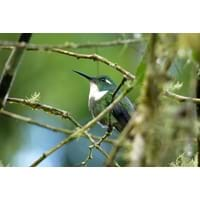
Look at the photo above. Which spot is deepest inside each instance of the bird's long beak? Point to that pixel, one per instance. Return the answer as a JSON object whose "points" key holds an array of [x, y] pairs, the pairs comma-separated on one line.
{"points": [[84, 75]]}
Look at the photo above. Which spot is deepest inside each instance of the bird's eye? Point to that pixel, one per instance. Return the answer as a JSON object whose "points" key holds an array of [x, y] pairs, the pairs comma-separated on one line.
{"points": [[106, 81]]}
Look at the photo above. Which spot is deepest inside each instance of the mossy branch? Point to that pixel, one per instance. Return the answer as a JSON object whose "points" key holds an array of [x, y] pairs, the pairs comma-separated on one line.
{"points": [[139, 123], [45, 108], [182, 98]]}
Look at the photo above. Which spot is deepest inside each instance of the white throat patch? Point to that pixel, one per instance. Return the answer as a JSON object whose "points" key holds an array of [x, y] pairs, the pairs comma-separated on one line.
{"points": [[95, 93]]}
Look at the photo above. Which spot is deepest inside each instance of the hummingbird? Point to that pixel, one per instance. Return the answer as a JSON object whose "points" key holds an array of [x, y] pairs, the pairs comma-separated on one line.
{"points": [[101, 93]]}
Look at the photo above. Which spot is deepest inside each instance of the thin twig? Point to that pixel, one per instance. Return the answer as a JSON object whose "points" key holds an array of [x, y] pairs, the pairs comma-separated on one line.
{"points": [[113, 97], [106, 135], [93, 145], [33, 122], [97, 146], [47, 126], [119, 87], [70, 45], [182, 98], [89, 156]]}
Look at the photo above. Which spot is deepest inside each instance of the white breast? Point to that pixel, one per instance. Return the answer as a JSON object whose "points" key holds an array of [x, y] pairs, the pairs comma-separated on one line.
{"points": [[95, 93]]}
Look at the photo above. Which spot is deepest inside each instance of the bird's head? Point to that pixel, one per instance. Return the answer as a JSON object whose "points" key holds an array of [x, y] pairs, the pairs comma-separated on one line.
{"points": [[103, 83]]}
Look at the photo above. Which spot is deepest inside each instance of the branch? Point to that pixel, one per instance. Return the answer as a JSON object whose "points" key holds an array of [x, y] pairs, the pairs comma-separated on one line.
{"points": [[182, 98], [89, 156], [61, 144], [45, 108], [97, 146], [53, 111], [80, 132], [75, 135], [47, 126], [70, 45], [36, 123], [95, 57], [10, 68]]}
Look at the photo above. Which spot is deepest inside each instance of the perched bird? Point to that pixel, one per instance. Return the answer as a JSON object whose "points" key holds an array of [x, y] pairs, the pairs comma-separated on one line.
{"points": [[101, 95]]}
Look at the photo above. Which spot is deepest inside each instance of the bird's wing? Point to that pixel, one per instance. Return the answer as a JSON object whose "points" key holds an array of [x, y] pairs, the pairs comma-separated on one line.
{"points": [[122, 113]]}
